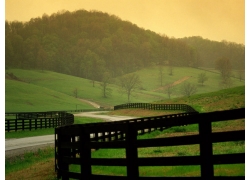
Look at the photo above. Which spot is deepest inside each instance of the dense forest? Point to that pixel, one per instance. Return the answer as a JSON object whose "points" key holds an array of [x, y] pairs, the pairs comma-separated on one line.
{"points": [[210, 51], [89, 43]]}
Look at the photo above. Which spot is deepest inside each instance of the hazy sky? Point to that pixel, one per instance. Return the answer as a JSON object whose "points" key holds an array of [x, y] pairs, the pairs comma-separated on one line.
{"points": [[213, 19]]}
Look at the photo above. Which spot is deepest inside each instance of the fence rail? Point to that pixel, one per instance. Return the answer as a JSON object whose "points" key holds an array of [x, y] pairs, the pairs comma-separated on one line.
{"points": [[182, 107], [73, 139], [37, 120]]}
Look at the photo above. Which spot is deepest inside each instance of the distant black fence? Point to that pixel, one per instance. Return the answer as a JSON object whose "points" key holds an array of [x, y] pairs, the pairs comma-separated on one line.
{"points": [[36, 120], [182, 107], [81, 138]]}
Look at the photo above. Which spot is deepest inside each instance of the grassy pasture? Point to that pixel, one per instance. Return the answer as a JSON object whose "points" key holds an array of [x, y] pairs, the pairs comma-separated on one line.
{"points": [[26, 97], [24, 167], [150, 80], [46, 90]]}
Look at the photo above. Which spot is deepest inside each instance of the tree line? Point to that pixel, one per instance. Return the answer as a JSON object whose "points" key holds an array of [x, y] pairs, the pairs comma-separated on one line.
{"points": [[100, 46], [211, 51]]}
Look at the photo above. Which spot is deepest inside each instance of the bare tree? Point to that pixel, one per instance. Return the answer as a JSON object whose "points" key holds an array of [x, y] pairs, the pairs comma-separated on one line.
{"points": [[106, 78], [224, 66], [188, 89], [170, 90], [129, 83], [202, 78]]}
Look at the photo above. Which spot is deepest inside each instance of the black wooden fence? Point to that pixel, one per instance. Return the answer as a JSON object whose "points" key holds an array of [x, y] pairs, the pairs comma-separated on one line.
{"points": [[182, 107], [36, 120], [73, 139]]}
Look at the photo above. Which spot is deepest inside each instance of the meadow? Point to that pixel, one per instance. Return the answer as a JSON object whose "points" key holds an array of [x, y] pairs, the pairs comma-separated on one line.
{"points": [[39, 90], [45, 91]]}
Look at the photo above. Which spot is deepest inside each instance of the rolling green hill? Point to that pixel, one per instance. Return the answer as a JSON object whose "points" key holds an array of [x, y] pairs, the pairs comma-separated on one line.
{"points": [[36, 90], [26, 97]]}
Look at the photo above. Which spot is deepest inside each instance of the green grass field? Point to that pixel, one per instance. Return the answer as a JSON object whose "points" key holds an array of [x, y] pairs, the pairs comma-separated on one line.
{"points": [[49, 91], [46, 90]]}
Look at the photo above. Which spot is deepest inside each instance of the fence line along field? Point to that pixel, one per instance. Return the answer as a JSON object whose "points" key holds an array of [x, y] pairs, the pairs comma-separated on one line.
{"points": [[77, 139]]}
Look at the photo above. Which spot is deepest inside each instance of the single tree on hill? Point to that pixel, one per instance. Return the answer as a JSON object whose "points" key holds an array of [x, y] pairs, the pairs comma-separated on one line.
{"points": [[188, 89], [106, 91], [202, 78], [223, 65], [129, 83], [170, 89]]}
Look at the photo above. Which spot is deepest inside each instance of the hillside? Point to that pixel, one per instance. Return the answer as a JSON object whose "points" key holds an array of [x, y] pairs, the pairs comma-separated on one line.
{"points": [[22, 96], [36, 90], [210, 51], [89, 43]]}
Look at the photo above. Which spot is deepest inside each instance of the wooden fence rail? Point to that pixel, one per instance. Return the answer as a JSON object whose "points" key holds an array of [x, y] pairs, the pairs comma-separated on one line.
{"points": [[80, 139], [182, 107], [37, 120]]}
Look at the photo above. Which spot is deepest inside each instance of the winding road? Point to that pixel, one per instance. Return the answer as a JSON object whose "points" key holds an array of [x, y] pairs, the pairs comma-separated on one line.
{"points": [[18, 146]]}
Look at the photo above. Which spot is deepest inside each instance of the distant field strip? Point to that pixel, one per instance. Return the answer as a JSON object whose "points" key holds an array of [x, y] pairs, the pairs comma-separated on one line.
{"points": [[173, 84]]}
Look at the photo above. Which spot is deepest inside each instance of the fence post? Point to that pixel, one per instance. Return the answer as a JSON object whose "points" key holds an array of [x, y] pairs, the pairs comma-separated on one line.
{"points": [[63, 167], [30, 124], [131, 152], [85, 155], [206, 149], [15, 124]]}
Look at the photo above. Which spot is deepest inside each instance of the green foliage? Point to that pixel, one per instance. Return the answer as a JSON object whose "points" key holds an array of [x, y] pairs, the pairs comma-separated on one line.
{"points": [[85, 44], [209, 51], [202, 78]]}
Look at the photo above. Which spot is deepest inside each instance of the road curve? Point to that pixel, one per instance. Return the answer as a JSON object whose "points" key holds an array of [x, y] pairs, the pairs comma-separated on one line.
{"points": [[20, 145]]}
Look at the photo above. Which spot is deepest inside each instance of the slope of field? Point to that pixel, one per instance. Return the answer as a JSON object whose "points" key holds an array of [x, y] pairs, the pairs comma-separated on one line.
{"points": [[226, 99], [150, 80], [25, 97], [66, 84]]}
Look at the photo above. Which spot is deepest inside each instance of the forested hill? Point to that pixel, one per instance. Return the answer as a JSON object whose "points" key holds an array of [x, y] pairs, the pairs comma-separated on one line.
{"points": [[87, 44], [210, 51]]}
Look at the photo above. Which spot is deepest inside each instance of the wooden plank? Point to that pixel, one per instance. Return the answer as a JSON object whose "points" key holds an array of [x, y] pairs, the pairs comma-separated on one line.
{"points": [[70, 160], [228, 136], [108, 162], [131, 152], [85, 155], [206, 149], [238, 158], [67, 175], [70, 145]]}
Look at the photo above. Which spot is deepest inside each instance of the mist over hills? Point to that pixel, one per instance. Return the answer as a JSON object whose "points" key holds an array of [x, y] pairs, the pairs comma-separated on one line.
{"points": [[89, 43]]}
